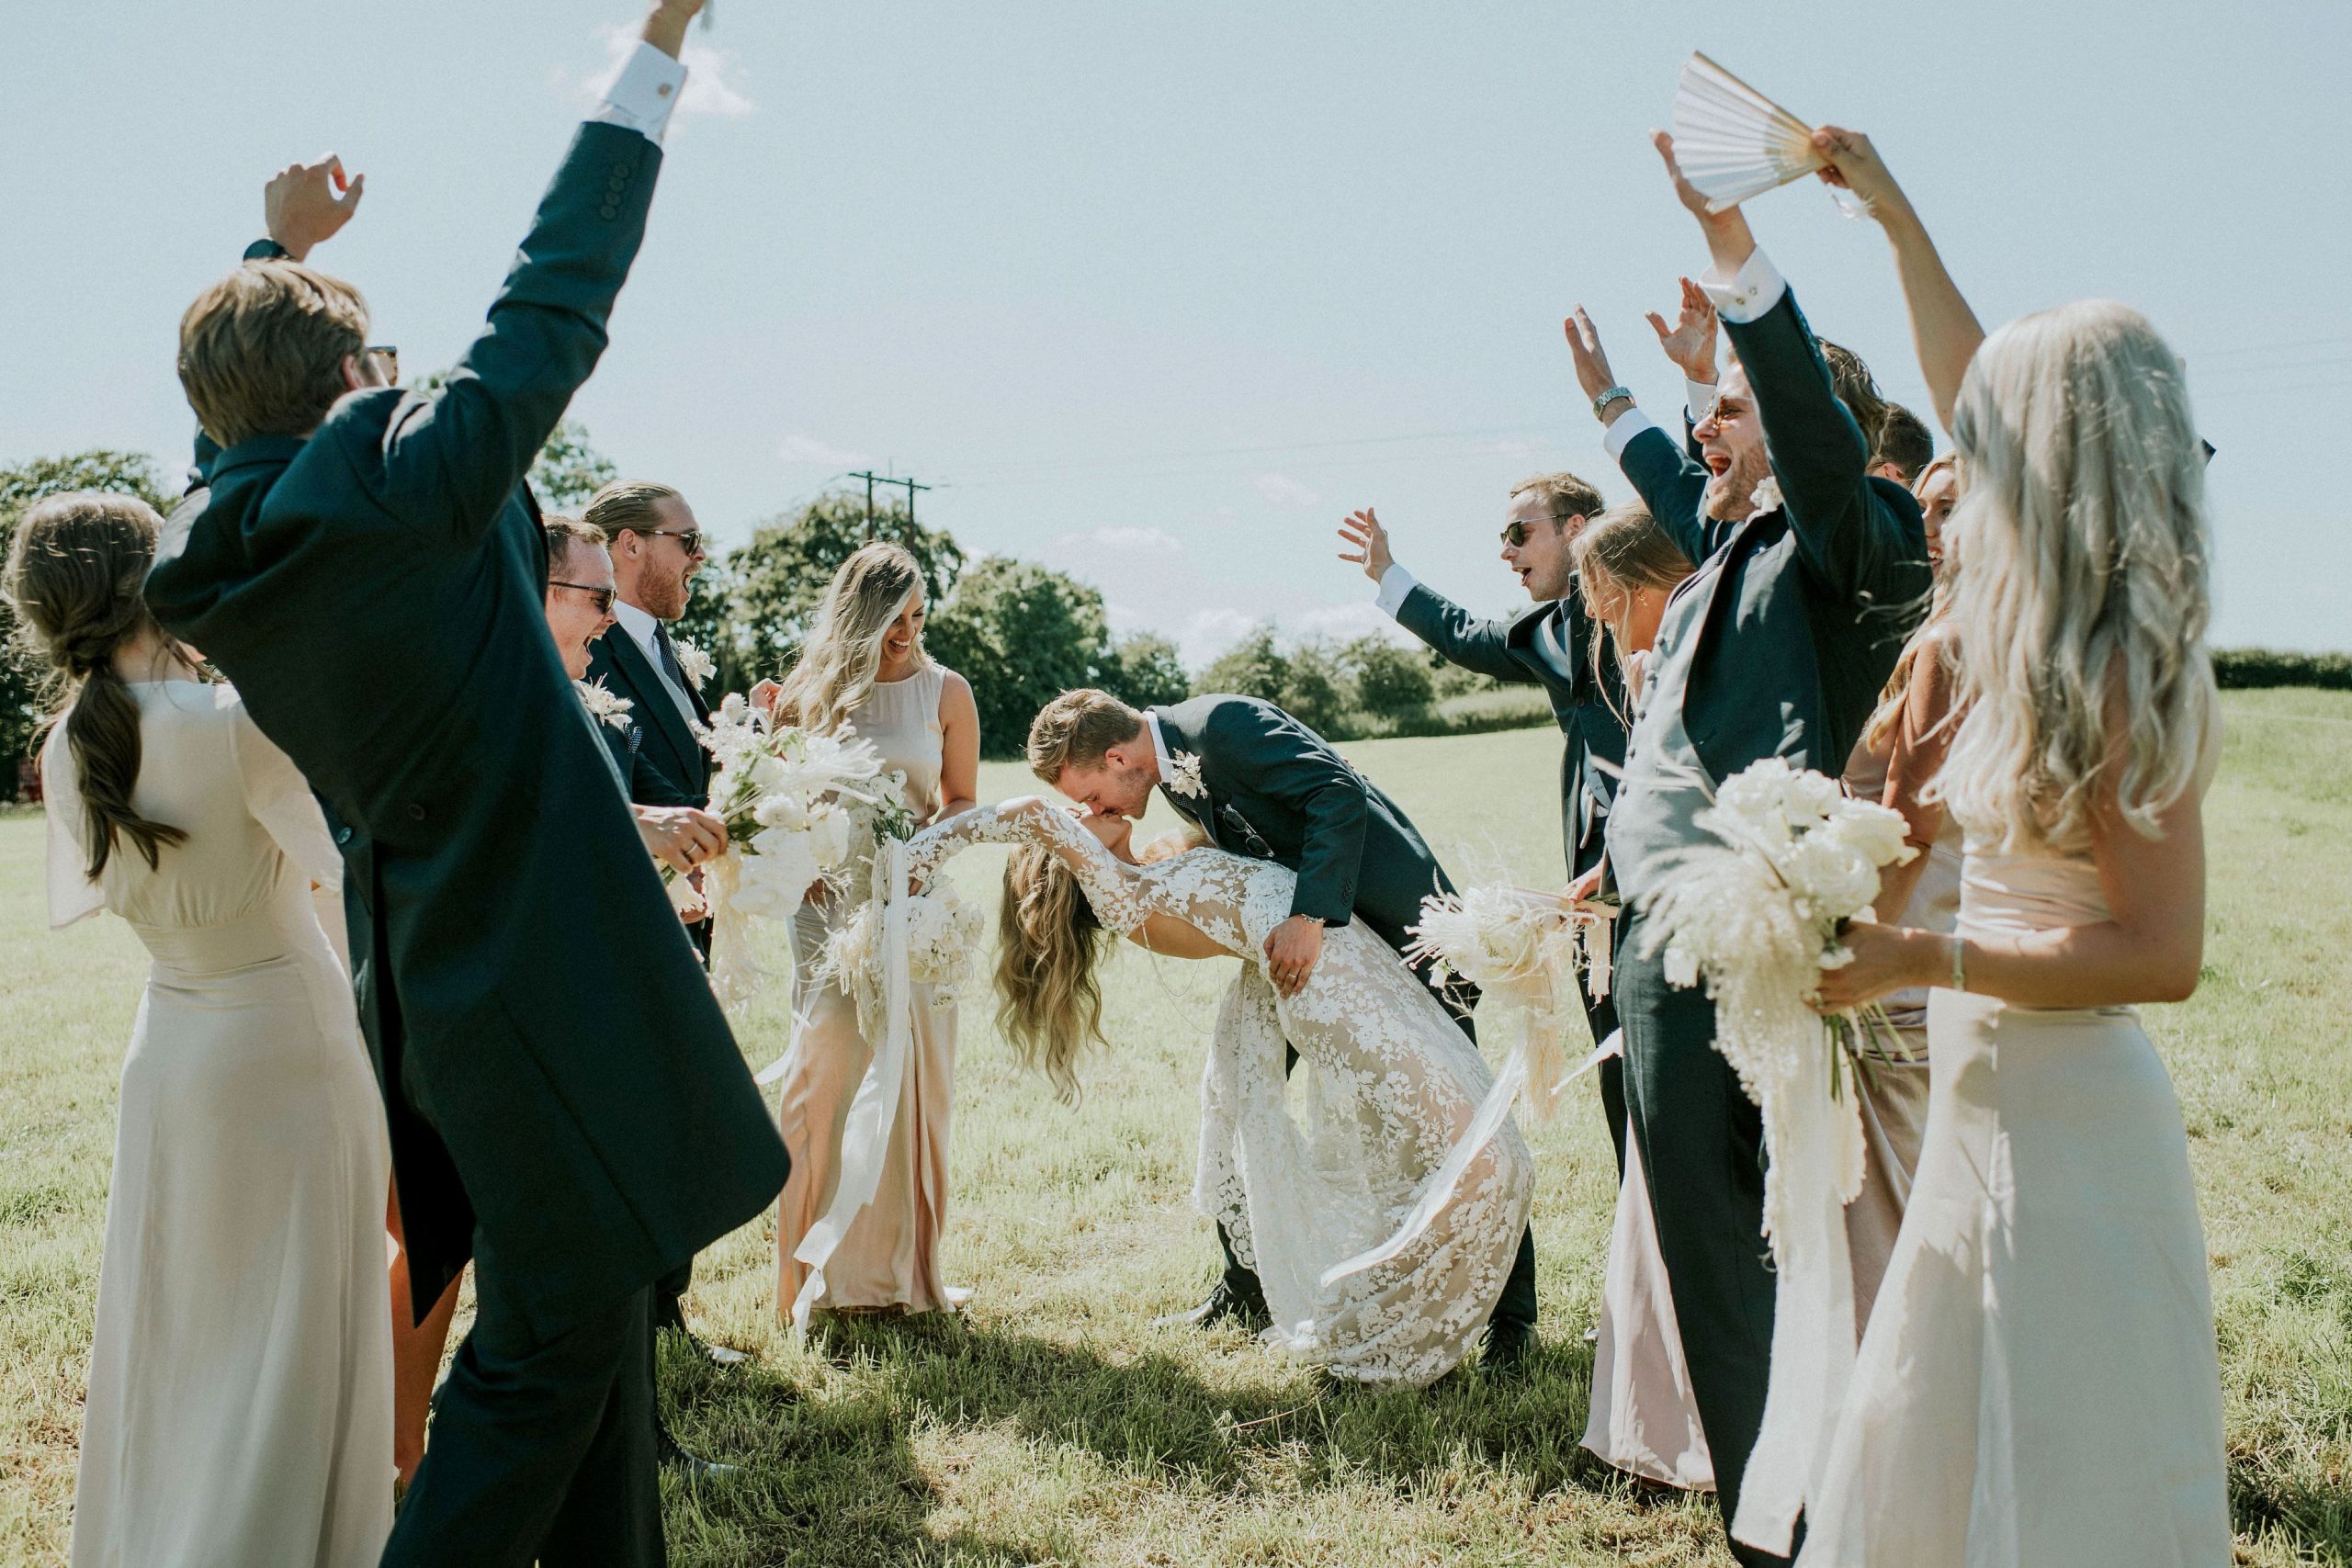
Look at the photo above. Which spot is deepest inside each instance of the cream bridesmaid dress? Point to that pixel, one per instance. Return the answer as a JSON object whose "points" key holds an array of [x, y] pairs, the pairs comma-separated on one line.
{"points": [[889, 1258], [239, 1406], [2038, 1384]]}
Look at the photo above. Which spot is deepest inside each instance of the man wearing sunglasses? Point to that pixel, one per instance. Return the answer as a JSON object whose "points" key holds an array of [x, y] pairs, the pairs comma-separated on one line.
{"points": [[1547, 646], [656, 547]]}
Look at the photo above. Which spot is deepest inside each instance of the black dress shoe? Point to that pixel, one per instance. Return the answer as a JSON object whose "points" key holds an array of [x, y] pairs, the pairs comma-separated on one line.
{"points": [[691, 1468], [1510, 1346], [1225, 1306]]}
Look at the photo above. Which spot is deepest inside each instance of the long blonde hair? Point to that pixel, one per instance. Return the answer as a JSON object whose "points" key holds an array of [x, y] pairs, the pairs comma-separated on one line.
{"points": [[2084, 564], [1932, 640], [1050, 1000], [835, 671], [1625, 549]]}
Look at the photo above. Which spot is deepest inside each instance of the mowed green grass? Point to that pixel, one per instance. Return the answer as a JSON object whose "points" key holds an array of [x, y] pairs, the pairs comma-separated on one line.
{"points": [[1054, 1426]]}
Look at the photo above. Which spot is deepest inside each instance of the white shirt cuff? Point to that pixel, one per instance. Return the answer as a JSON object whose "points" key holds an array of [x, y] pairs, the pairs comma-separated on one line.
{"points": [[1396, 585], [1630, 423], [1756, 288], [642, 96], [1698, 398]]}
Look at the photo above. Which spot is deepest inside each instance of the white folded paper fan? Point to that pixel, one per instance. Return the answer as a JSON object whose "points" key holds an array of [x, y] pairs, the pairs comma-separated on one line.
{"points": [[1733, 141]]}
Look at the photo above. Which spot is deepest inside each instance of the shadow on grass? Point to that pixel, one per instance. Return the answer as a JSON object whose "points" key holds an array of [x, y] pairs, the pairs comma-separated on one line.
{"points": [[830, 1474]]}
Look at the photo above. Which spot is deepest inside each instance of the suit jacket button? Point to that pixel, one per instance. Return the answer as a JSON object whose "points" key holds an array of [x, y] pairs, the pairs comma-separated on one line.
{"points": [[609, 212], [417, 811], [343, 835], [620, 171]]}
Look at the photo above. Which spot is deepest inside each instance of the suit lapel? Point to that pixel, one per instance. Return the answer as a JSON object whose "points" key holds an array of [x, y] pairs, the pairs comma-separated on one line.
{"points": [[1199, 810], [654, 703]]}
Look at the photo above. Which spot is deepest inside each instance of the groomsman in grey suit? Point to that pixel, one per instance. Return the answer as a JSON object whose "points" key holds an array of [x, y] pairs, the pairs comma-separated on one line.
{"points": [[1811, 574], [1548, 646]]}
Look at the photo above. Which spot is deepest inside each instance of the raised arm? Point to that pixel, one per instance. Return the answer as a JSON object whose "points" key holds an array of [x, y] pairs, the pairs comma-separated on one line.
{"points": [[1453, 632], [1669, 479], [1944, 331], [1112, 887], [455, 457], [1860, 543], [1923, 738]]}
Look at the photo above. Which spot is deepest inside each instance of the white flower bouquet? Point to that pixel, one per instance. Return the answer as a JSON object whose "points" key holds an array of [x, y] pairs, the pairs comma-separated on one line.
{"points": [[943, 933], [797, 806], [1524, 949], [1755, 919]]}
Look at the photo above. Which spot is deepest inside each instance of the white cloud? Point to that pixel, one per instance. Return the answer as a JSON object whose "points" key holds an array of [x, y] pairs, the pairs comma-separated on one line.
{"points": [[713, 77], [1210, 633], [802, 448], [1132, 540], [1345, 623], [1287, 492]]}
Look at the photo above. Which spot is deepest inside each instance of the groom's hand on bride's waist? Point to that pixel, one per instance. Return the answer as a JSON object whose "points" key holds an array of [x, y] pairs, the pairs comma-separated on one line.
{"points": [[1293, 949]]}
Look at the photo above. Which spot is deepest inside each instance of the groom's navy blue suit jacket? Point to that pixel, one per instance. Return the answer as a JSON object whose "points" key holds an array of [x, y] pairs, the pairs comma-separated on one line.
{"points": [[375, 590], [1781, 641]]}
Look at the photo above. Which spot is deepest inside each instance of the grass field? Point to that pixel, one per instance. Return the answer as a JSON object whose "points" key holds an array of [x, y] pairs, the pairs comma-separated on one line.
{"points": [[1053, 1425]]}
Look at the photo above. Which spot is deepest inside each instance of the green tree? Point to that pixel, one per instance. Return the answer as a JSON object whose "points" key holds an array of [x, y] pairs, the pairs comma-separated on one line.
{"points": [[1023, 633], [1388, 680], [569, 468], [1254, 667], [780, 577], [21, 484], [1314, 688], [1146, 671]]}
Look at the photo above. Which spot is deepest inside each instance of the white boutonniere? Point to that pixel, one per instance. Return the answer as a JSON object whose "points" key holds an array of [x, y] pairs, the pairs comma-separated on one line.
{"points": [[1184, 775], [1766, 496], [605, 706], [697, 665]]}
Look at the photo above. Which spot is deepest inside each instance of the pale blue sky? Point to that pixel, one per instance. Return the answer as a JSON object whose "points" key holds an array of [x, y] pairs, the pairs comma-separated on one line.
{"points": [[1157, 292]]}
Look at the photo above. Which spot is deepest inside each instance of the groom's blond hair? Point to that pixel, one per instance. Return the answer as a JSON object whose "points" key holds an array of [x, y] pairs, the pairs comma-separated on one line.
{"points": [[1076, 728]]}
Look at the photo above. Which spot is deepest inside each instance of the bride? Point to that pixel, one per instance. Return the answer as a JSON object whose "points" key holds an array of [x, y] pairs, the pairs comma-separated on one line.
{"points": [[1384, 1224]]}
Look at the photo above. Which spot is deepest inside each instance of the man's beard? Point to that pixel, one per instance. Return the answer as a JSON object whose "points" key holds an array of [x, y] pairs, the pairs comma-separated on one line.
{"points": [[1730, 495], [665, 601]]}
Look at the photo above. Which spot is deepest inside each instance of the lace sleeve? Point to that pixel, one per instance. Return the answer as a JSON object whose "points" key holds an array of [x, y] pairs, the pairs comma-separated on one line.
{"points": [[1111, 887]]}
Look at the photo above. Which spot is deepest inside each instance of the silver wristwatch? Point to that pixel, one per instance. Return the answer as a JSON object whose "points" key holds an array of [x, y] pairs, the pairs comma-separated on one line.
{"points": [[1601, 404]]}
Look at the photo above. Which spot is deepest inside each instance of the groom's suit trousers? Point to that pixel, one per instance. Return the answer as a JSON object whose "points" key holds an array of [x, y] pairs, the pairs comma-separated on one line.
{"points": [[542, 1449], [1702, 1142]]}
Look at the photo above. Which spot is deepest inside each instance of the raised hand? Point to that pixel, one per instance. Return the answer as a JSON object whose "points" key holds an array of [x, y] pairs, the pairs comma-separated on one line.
{"points": [[1728, 240], [1690, 342], [1593, 365], [665, 25], [305, 204], [1370, 541], [1855, 165]]}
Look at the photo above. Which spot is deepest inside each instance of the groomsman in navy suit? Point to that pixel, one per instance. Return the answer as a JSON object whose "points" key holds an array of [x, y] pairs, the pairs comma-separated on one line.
{"points": [[1548, 646], [656, 547], [574, 1127], [1811, 574]]}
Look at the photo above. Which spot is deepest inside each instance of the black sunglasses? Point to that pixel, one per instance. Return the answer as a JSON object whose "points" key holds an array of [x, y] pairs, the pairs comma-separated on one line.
{"points": [[690, 538], [1515, 531], [600, 597]]}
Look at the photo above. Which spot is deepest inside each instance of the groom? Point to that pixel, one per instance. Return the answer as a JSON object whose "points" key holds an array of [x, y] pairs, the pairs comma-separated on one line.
{"points": [[1810, 576], [575, 1124], [1258, 782]]}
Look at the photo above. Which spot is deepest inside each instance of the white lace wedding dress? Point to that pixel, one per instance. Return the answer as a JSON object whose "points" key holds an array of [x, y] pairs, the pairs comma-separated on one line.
{"points": [[1383, 1221]]}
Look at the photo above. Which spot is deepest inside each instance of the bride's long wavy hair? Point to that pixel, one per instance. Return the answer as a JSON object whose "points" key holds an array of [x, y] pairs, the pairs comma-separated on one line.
{"points": [[835, 671], [1049, 946], [2083, 579]]}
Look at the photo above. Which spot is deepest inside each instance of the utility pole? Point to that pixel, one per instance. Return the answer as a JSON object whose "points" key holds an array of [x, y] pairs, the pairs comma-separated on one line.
{"points": [[872, 479]]}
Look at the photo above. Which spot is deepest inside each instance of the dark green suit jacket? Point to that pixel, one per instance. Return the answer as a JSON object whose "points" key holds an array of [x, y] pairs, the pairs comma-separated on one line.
{"points": [[1549, 646], [564, 1094], [1275, 790], [1799, 612]]}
